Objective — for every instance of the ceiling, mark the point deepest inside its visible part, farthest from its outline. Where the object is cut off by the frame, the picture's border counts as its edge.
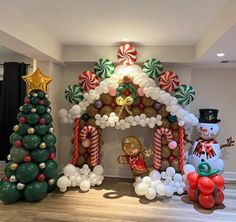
(107, 22)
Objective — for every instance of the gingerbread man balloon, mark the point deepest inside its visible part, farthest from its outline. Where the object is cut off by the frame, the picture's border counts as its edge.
(206, 148)
(135, 157)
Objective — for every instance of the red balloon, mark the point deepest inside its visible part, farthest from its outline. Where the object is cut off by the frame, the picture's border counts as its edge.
(206, 201)
(41, 177)
(192, 194)
(27, 158)
(218, 180)
(220, 197)
(192, 179)
(206, 185)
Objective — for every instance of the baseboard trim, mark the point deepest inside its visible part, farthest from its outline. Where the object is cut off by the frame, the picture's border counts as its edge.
(229, 176)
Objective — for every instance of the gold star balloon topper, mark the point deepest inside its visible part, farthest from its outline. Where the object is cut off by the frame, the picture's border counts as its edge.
(37, 81)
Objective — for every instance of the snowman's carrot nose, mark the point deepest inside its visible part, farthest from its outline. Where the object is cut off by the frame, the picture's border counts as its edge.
(203, 130)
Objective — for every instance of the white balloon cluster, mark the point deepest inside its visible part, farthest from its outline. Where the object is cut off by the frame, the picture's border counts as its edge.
(149, 88)
(83, 177)
(113, 121)
(160, 184)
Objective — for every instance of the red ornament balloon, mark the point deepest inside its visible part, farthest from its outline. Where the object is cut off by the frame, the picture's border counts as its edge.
(218, 180)
(52, 156)
(192, 179)
(27, 100)
(220, 197)
(141, 106)
(206, 201)
(4, 179)
(192, 194)
(18, 143)
(42, 121)
(206, 185)
(171, 158)
(41, 177)
(41, 101)
(22, 120)
(27, 158)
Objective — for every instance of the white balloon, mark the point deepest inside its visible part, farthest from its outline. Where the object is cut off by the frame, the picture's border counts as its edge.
(188, 168)
(161, 190)
(170, 171)
(178, 177)
(141, 189)
(63, 182)
(69, 170)
(155, 175)
(180, 191)
(151, 194)
(63, 190)
(163, 175)
(98, 170)
(169, 191)
(147, 180)
(84, 185)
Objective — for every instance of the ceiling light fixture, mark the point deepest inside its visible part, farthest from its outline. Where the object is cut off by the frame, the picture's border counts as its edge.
(221, 54)
(125, 40)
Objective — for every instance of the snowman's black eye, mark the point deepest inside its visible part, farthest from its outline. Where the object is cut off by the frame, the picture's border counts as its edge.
(211, 128)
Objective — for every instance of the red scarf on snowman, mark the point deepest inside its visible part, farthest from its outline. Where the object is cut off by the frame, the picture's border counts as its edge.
(207, 145)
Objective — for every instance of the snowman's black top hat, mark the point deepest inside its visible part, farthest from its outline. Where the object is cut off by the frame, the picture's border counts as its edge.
(208, 116)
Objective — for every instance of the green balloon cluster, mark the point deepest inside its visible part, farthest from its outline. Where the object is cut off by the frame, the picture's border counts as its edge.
(29, 157)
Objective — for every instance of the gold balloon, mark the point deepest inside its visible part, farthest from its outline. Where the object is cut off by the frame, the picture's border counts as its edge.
(14, 166)
(42, 145)
(164, 164)
(21, 108)
(30, 130)
(175, 164)
(37, 81)
(33, 110)
(165, 151)
(51, 182)
(175, 152)
(16, 128)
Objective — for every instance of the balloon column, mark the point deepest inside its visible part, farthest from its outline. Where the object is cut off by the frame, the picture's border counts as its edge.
(205, 186)
(124, 96)
(32, 170)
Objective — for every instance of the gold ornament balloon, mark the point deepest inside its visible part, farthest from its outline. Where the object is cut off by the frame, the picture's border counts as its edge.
(14, 166)
(33, 110)
(42, 145)
(30, 130)
(16, 128)
(51, 182)
(37, 81)
(21, 109)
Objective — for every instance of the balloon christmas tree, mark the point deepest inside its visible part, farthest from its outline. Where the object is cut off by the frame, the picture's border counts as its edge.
(31, 171)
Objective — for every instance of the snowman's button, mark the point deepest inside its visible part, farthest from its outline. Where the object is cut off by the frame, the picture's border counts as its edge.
(203, 152)
(202, 160)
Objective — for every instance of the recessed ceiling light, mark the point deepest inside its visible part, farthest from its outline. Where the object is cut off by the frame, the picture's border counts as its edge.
(125, 40)
(220, 54)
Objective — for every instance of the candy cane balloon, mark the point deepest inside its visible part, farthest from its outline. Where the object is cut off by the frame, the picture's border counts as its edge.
(181, 148)
(157, 144)
(94, 142)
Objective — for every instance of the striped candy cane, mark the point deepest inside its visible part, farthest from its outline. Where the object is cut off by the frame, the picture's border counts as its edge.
(76, 142)
(181, 148)
(157, 144)
(94, 142)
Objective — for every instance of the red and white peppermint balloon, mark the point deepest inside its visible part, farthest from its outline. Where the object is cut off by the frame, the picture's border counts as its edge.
(88, 80)
(127, 54)
(169, 81)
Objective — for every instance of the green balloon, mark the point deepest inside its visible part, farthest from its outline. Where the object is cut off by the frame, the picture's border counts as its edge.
(47, 117)
(20, 114)
(39, 155)
(34, 100)
(40, 109)
(14, 137)
(27, 172)
(35, 191)
(51, 169)
(9, 193)
(41, 129)
(26, 108)
(18, 154)
(49, 139)
(41, 94)
(52, 149)
(31, 142)
(23, 127)
(8, 171)
(32, 118)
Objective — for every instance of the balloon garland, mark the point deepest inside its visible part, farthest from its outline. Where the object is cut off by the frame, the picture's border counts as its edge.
(76, 141)
(181, 148)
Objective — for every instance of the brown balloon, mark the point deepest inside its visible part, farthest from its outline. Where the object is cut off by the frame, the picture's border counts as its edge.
(175, 164)
(162, 111)
(164, 164)
(91, 122)
(165, 123)
(82, 150)
(175, 152)
(175, 135)
(123, 114)
(136, 101)
(150, 112)
(92, 111)
(165, 151)
(174, 126)
(82, 124)
(105, 110)
(147, 101)
(136, 111)
(106, 99)
(164, 140)
(81, 161)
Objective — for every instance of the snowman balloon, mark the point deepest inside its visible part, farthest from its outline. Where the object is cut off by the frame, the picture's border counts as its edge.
(206, 148)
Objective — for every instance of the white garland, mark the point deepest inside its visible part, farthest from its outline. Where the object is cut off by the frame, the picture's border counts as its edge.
(150, 90)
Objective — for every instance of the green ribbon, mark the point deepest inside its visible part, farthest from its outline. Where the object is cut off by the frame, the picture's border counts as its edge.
(129, 87)
(204, 170)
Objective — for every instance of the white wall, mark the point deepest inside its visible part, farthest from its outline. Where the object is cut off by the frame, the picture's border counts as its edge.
(215, 88)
